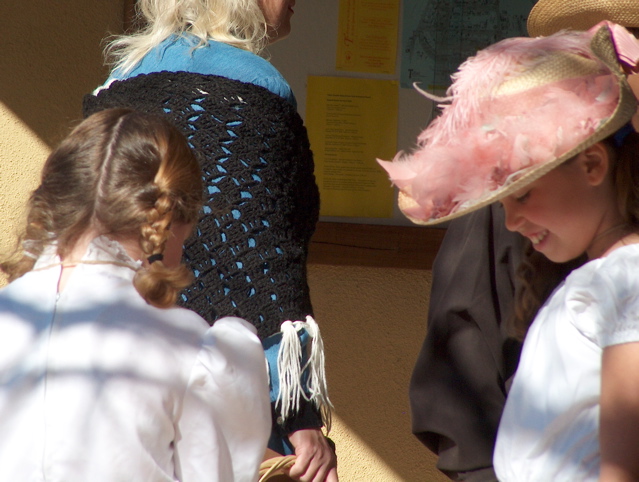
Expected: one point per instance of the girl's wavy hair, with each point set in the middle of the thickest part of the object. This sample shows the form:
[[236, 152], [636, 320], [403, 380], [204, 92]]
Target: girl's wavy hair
[[240, 23], [537, 275], [127, 175]]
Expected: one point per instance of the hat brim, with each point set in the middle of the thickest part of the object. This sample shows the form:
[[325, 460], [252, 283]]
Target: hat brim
[[550, 16], [603, 48]]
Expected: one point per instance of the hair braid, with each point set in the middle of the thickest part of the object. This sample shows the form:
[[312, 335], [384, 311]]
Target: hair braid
[[538, 277], [533, 290], [155, 232], [157, 283], [122, 174]]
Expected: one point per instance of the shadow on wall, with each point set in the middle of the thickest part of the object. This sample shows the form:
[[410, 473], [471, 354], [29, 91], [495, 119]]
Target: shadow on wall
[[51, 56], [373, 323]]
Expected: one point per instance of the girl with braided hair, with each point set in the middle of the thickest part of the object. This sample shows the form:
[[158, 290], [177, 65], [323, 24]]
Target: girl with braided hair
[[101, 376]]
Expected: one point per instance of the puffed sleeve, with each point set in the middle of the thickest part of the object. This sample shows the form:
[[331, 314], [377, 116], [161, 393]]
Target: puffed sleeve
[[606, 299], [226, 420]]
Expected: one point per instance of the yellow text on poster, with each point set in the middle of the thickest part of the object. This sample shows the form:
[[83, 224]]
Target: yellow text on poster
[[351, 123], [367, 36]]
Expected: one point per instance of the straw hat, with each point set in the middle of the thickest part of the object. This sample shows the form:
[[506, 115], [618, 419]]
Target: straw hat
[[517, 110], [550, 16]]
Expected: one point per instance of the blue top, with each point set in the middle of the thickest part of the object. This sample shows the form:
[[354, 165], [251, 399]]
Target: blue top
[[178, 54]]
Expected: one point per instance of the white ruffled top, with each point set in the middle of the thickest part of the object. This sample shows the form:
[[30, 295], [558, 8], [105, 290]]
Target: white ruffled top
[[550, 425], [96, 384]]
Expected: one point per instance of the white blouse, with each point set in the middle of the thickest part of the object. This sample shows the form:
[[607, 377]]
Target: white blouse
[[550, 426], [97, 385]]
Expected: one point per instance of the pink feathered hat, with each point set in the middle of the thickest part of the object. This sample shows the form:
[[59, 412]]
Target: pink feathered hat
[[550, 16], [515, 111]]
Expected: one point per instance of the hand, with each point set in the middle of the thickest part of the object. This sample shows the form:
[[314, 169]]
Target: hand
[[316, 461]]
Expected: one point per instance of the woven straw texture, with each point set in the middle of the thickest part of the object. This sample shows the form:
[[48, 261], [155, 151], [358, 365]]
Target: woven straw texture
[[276, 467], [550, 16]]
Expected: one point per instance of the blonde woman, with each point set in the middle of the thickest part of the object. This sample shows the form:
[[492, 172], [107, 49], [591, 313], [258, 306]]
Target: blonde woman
[[212, 37], [197, 62]]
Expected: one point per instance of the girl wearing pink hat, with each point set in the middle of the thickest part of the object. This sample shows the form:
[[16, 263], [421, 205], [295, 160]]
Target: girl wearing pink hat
[[545, 126]]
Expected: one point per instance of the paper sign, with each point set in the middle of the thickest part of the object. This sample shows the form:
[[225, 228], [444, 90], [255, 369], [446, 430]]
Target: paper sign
[[367, 36], [351, 123], [438, 35]]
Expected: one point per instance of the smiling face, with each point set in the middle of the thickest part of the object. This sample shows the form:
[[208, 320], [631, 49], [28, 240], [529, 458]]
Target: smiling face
[[277, 14], [563, 212]]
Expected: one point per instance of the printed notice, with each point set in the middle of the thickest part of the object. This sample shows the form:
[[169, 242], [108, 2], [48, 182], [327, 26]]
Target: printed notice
[[367, 36], [351, 123], [438, 35]]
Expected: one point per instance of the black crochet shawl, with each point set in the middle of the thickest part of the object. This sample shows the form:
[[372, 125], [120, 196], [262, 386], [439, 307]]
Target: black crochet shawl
[[262, 203]]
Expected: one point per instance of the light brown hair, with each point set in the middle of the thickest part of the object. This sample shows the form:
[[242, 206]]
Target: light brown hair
[[126, 175], [537, 275]]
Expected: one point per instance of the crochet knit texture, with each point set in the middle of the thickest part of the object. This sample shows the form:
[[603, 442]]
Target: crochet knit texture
[[262, 203]]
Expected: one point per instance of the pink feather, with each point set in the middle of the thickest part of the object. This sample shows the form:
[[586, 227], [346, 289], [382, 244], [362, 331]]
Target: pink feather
[[481, 139]]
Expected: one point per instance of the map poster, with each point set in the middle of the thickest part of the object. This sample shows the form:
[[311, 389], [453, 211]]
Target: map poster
[[438, 35]]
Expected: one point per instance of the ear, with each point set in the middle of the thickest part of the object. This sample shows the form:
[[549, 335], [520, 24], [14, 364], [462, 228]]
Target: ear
[[595, 162]]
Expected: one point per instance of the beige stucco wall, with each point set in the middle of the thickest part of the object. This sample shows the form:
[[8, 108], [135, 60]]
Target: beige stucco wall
[[50, 56], [21, 151], [373, 320]]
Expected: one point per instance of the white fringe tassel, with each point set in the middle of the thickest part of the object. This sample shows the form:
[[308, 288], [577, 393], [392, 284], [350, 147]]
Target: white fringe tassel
[[290, 371]]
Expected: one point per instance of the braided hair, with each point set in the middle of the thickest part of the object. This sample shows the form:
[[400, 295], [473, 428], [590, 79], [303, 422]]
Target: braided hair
[[126, 174]]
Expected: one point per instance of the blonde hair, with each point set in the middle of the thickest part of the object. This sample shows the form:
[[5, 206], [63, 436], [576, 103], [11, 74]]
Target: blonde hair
[[240, 23], [129, 176], [538, 275]]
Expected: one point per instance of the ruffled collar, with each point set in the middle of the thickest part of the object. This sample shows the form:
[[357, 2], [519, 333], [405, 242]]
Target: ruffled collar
[[101, 250], [622, 257]]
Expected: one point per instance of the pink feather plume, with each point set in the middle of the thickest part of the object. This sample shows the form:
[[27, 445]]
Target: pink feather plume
[[482, 139]]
